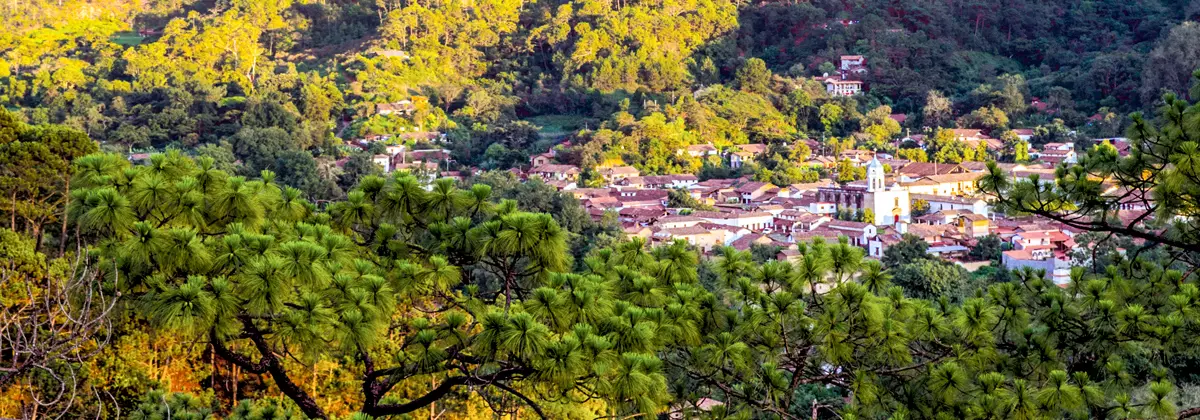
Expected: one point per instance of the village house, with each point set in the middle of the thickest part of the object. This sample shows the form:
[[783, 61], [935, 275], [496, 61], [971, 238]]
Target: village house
[[641, 215], [696, 236], [941, 202], [752, 191], [1129, 198], [677, 221], [742, 153], [754, 221], [839, 87], [967, 134], [384, 161], [744, 242], [1033, 241], [1056, 269], [949, 252], [404, 107], [917, 170], [642, 198], [799, 190], [423, 155], [886, 237], [634, 230], [1122, 144], [700, 150], [859, 233], [968, 223], [541, 159], [946, 184], [617, 173], [583, 194], [556, 172], [857, 157], [1056, 153], [659, 181], [855, 64], [972, 138], [934, 235], [1023, 133], [1038, 104], [974, 225], [425, 171], [943, 217], [821, 162]]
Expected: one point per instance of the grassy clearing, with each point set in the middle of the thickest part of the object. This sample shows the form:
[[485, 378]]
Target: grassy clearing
[[127, 39], [557, 125]]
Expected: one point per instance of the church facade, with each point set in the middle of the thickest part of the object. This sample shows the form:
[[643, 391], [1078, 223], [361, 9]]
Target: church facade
[[890, 204]]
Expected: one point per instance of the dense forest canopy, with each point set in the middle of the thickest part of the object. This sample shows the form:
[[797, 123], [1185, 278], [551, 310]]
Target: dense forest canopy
[[194, 224], [301, 76], [68, 64]]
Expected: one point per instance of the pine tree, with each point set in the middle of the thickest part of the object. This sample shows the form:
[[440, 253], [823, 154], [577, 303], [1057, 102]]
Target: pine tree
[[402, 281]]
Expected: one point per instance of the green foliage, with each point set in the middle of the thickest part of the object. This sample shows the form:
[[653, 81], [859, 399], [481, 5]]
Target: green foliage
[[250, 264], [400, 286], [1161, 167], [847, 171], [680, 198], [914, 154], [929, 278], [911, 248], [987, 118], [994, 353], [35, 169], [754, 77], [938, 109], [160, 406], [944, 147], [987, 248]]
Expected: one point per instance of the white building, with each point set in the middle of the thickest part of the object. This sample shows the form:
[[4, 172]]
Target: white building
[[1057, 270], [941, 202], [854, 63], [890, 204], [839, 87], [384, 161], [753, 221]]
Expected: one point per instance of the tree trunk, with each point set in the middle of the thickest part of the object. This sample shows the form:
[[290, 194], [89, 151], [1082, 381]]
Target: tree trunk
[[508, 284], [285, 383], [269, 362], [236, 372], [37, 233], [62, 238]]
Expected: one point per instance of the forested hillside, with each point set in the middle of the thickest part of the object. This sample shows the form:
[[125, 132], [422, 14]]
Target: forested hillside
[[194, 222], [252, 83]]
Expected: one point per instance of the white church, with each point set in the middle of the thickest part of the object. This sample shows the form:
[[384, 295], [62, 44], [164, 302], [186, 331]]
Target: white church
[[890, 204]]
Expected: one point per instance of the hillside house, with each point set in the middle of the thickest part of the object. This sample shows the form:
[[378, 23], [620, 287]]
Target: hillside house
[[404, 107], [617, 173], [946, 184], [700, 150], [940, 202], [853, 63], [839, 87], [550, 172]]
